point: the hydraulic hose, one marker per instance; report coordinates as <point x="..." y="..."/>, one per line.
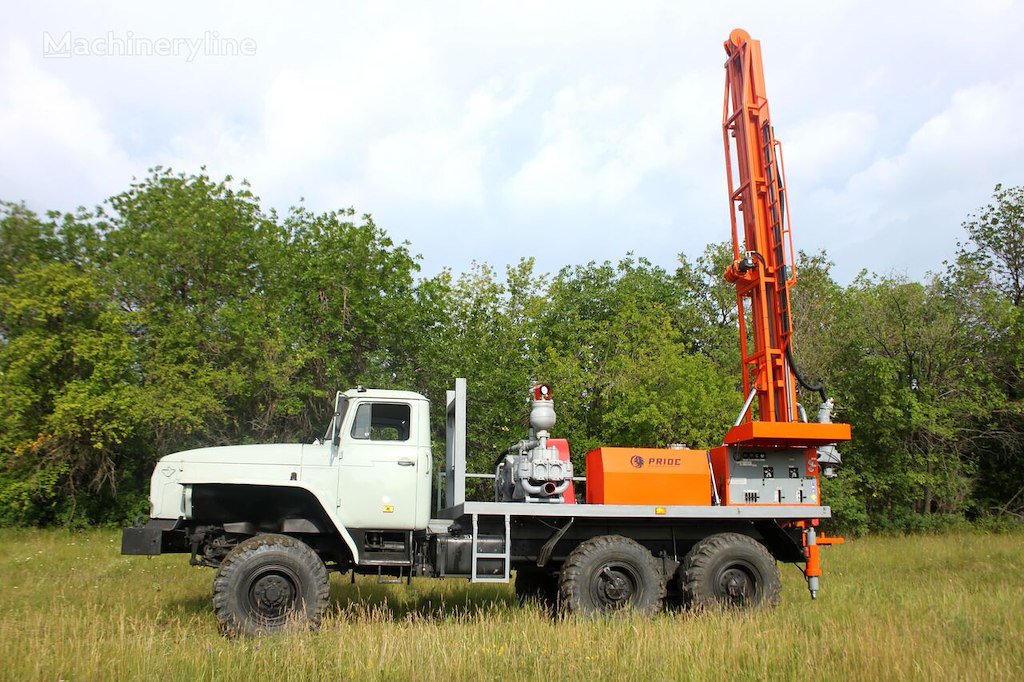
<point x="800" y="377"/>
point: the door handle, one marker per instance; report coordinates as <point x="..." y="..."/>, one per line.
<point x="406" y="463"/>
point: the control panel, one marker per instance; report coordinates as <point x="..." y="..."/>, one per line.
<point x="747" y="475"/>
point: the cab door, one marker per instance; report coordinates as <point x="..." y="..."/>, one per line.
<point x="379" y="467"/>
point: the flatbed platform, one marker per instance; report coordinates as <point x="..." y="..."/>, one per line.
<point x="619" y="511"/>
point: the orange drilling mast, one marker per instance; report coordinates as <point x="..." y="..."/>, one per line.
<point x="757" y="193"/>
<point x="762" y="269"/>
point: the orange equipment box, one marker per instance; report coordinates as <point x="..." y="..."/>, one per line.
<point x="660" y="476"/>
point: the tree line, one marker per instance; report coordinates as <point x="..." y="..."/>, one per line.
<point x="183" y="314"/>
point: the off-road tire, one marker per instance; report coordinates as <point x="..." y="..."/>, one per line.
<point x="609" y="574"/>
<point x="729" y="570"/>
<point x="268" y="582"/>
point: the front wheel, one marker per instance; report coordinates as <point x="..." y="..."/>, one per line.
<point x="268" y="581"/>
<point x="729" y="570"/>
<point x="611" y="573"/>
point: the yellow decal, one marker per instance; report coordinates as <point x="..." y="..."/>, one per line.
<point x="389" y="508"/>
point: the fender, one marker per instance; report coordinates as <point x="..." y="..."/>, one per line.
<point x="263" y="483"/>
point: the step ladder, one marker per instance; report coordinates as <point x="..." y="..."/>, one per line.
<point x="505" y="556"/>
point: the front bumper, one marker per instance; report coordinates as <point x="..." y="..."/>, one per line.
<point x="156" y="536"/>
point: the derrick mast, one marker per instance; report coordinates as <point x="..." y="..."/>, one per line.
<point x="763" y="258"/>
<point x="762" y="246"/>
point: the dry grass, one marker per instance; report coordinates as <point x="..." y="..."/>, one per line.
<point x="938" y="607"/>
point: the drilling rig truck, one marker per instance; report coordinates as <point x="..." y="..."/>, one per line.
<point x="708" y="526"/>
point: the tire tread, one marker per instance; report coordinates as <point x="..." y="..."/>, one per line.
<point x="701" y="561"/>
<point x="224" y="604"/>
<point x="579" y="564"/>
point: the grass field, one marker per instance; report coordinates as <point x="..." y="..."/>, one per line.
<point x="930" y="607"/>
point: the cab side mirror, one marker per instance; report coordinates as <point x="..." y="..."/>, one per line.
<point x="340" y="408"/>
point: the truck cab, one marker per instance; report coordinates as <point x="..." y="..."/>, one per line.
<point x="376" y="462"/>
<point x="371" y="473"/>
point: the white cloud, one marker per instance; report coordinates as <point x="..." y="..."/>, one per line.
<point x="54" y="143"/>
<point x="903" y="212"/>
<point x="385" y="127"/>
<point x="976" y="127"/>
<point x="602" y="140"/>
<point x="579" y="160"/>
<point x="432" y="167"/>
<point x="825" y="146"/>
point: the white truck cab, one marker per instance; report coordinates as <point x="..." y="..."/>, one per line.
<point x="375" y="464"/>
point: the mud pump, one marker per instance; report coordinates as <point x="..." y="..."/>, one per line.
<point x="704" y="526"/>
<point x="537" y="469"/>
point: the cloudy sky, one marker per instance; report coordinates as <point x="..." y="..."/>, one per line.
<point x="567" y="131"/>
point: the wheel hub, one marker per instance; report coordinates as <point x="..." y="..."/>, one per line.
<point x="272" y="594"/>
<point x="736" y="584"/>
<point x="615" y="586"/>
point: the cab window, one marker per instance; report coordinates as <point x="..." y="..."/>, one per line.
<point x="381" y="421"/>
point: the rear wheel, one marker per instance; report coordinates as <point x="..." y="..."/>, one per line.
<point x="267" y="582"/>
<point x="729" y="570"/>
<point x="611" y="573"/>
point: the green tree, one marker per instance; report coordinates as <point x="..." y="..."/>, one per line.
<point x="914" y="390"/>
<point x="483" y="329"/>
<point x="182" y="315"/>
<point x="988" y="276"/>
<point x="348" y="305"/>
<point x="67" y="379"/>
<point x="708" y="306"/>
<point x="819" y="322"/>
<point x="996" y="241"/>
<point x="185" y="259"/>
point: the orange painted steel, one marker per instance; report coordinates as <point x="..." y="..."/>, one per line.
<point x="813" y="567"/>
<point x="659" y="476"/>
<point x="830" y="540"/>
<point x="786" y="434"/>
<point x="760" y="226"/>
